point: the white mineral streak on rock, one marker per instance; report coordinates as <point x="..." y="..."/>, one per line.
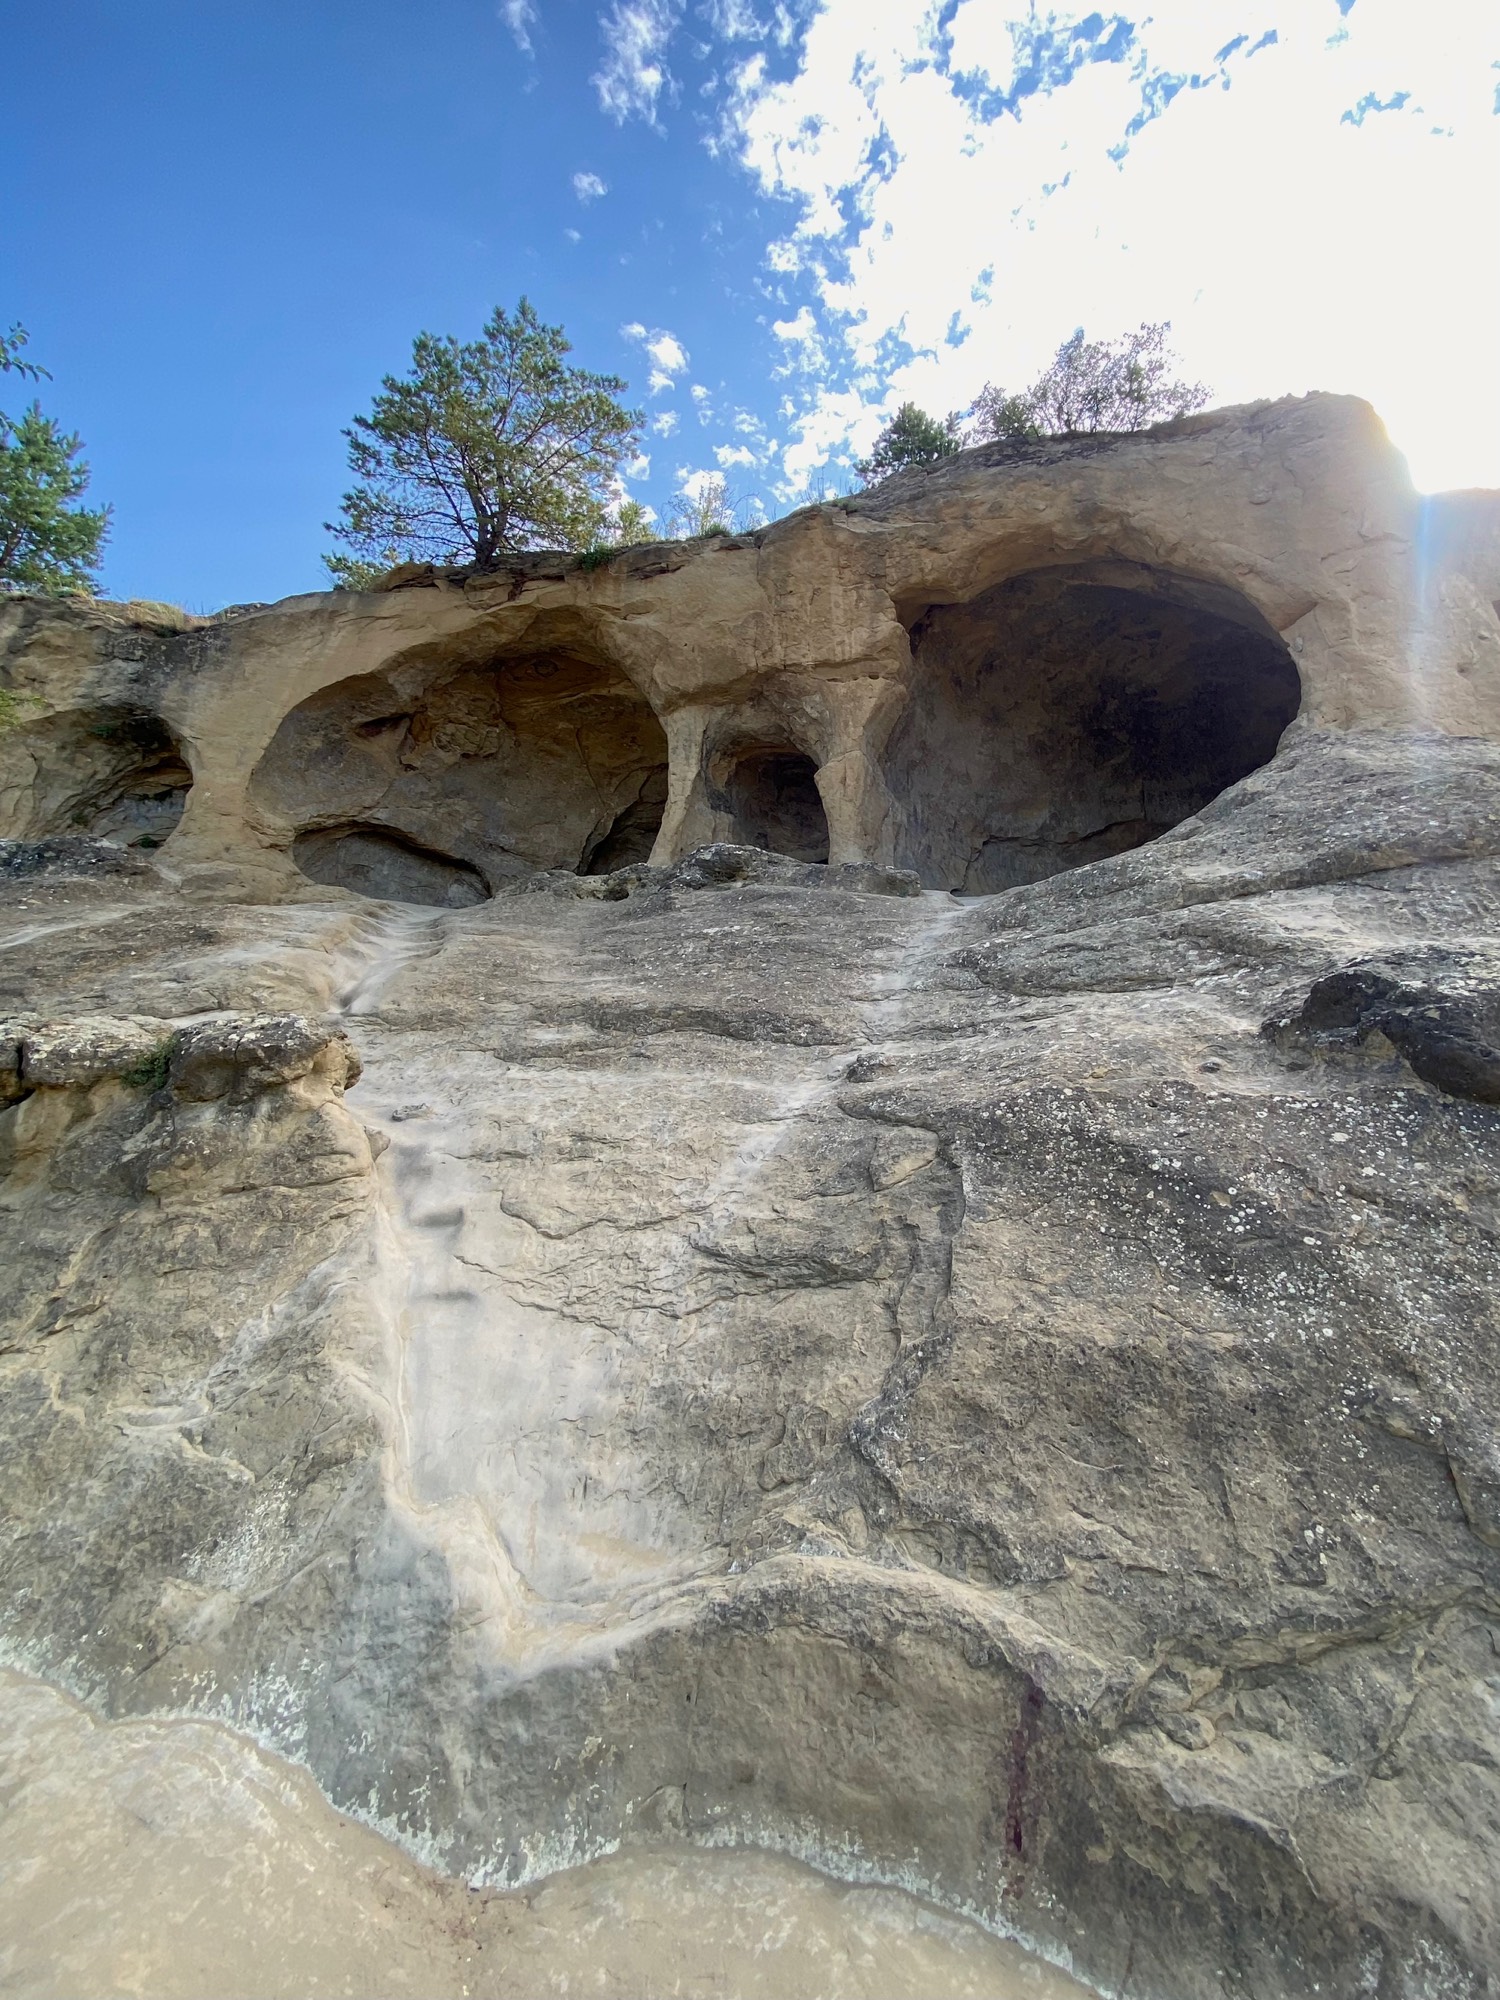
<point x="510" y="1411"/>
<point x="378" y="944"/>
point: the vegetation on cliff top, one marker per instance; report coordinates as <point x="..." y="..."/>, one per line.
<point x="484" y="448"/>
<point x="496" y="445"/>
<point x="489" y="447"/>
<point x="1089" y="386"/>
<point x="912" y="438"/>
<point x="48" y="542"/>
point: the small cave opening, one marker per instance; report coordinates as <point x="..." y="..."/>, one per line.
<point x="773" y="797"/>
<point x="630" y="835"/>
<point x="377" y="861"/>
<point x="494" y="767"/>
<point x="1070" y="714"/>
<point x="111" y="774"/>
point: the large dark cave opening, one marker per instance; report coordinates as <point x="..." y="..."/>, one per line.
<point x="436" y="782"/>
<point x="774" y="799"/>
<point x="1072" y="713"/>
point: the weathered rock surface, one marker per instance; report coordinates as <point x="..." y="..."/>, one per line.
<point x="121" y="1839"/>
<point x="1012" y="662"/>
<point x="997" y="1394"/>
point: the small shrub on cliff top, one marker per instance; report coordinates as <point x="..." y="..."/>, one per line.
<point x="485" y="447"/>
<point x="912" y="438"/>
<point x="632" y="526"/>
<point x="158" y="616"/>
<point x="701" y="508"/>
<point x="1093" y="385"/>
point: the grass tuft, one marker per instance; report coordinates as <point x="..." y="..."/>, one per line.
<point x="150" y="1073"/>
<point x="160" y="617"/>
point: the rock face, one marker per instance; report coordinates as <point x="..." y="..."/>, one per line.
<point x="997" y="1394"/>
<point x="1012" y="662"/>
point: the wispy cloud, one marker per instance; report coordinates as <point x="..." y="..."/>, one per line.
<point x="633" y="77"/>
<point x="692" y="482"/>
<point x="518" y="16"/>
<point x="968" y="181"/>
<point x="589" y="187"/>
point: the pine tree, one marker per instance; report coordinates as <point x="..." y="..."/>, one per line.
<point x="483" y="448"/>
<point x="47" y="543"/>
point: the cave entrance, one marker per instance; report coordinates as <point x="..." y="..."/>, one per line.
<point x="113" y="774"/>
<point x="774" y="799"/>
<point x="437" y="781"/>
<point x="630" y="834"/>
<point x="1069" y="714"/>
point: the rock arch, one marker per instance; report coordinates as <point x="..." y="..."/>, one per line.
<point x="1072" y="712"/>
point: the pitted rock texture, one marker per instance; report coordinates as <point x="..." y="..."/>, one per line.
<point x="999" y="1395"/>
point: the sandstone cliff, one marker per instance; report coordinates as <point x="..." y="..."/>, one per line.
<point x="564" y="1277"/>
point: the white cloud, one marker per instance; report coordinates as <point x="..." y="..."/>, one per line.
<point x="804" y="327"/>
<point x="589" y="187"/>
<point x="665" y="423"/>
<point x="1311" y="197"/>
<point x="518" y="16"/>
<point x="666" y="353"/>
<point x="634" y="75"/>
<point x="639" y="467"/>
<point x="803" y="339"/>
<point x="740" y="21"/>
<point x="692" y="483"/>
<point x="733" y="454"/>
<point x="573" y="235"/>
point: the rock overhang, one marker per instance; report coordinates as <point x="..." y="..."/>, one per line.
<point x="786" y="687"/>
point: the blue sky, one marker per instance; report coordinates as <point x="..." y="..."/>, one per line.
<point x="777" y="218"/>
